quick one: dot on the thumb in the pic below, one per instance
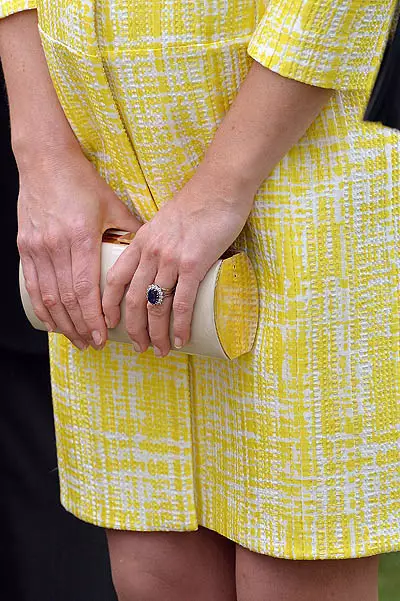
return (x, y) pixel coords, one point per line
(119, 217)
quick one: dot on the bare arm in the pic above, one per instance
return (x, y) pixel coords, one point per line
(64, 206)
(269, 115)
(37, 119)
(191, 231)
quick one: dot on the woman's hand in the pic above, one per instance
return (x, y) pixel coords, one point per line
(190, 232)
(64, 207)
(177, 247)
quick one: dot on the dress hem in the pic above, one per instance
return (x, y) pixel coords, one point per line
(268, 552)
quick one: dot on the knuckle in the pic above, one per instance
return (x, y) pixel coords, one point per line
(70, 334)
(188, 265)
(91, 315)
(108, 306)
(158, 338)
(169, 257)
(83, 288)
(83, 332)
(133, 333)
(69, 300)
(49, 300)
(30, 286)
(80, 229)
(153, 251)
(22, 243)
(112, 278)
(181, 307)
(51, 242)
(157, 310)
(159, 342)
(35, 245)
(132, 303)
(82, 237)
(40, 313)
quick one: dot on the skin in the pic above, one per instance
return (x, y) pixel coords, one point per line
(64, 207)
(268, 117)
(203, 566)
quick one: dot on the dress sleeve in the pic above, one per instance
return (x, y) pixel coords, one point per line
(8, 7)
(334, 44)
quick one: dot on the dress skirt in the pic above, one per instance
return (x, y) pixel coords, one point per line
(293, 449)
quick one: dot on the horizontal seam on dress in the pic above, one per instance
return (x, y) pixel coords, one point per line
(183, 46)
(138, 49)
(66, 46)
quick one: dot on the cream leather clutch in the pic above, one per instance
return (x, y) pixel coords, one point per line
(225, 314)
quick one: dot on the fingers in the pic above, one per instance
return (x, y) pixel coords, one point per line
(118, 278)
(183, 305)
(136, 306)
(146, 322)
(51, 300)
(33, 289)
(140, 265)
(63, 271)
(54, 271)
(132, 270)
(159, 316)
(60, 223)
(85, 259)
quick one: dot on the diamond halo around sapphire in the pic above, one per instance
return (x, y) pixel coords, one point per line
(155, 294)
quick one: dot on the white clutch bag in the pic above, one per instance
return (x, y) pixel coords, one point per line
(225, 314)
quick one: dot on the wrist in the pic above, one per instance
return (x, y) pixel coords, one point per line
(233, 183)
(211, 185)
(37, 137)
(238, 166)
(42, 152)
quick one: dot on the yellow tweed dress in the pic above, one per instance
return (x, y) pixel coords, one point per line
(293, 449)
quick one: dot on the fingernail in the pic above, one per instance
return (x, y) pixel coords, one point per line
(178, 343)
(157, 352)
(48, 326)
(81, 345)
(97, 339)
(108, 323)
(136, 347)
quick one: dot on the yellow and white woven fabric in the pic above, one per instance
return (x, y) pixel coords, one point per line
(293, 449)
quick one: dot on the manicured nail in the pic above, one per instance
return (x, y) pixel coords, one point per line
(136, 347)
(48, 326)
(157, 352)
(108, 323)
(178, 343)
(81, 345)
(97, 339)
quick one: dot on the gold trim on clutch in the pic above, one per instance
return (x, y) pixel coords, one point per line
(118, 237)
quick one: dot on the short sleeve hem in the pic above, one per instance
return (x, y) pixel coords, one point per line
(335, 44)
(9, 7)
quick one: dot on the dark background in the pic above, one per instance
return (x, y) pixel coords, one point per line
(45, 553)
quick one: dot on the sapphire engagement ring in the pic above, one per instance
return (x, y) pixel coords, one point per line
(155, 294)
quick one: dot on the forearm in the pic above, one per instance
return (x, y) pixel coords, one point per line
(38, 123)
(269, 115)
